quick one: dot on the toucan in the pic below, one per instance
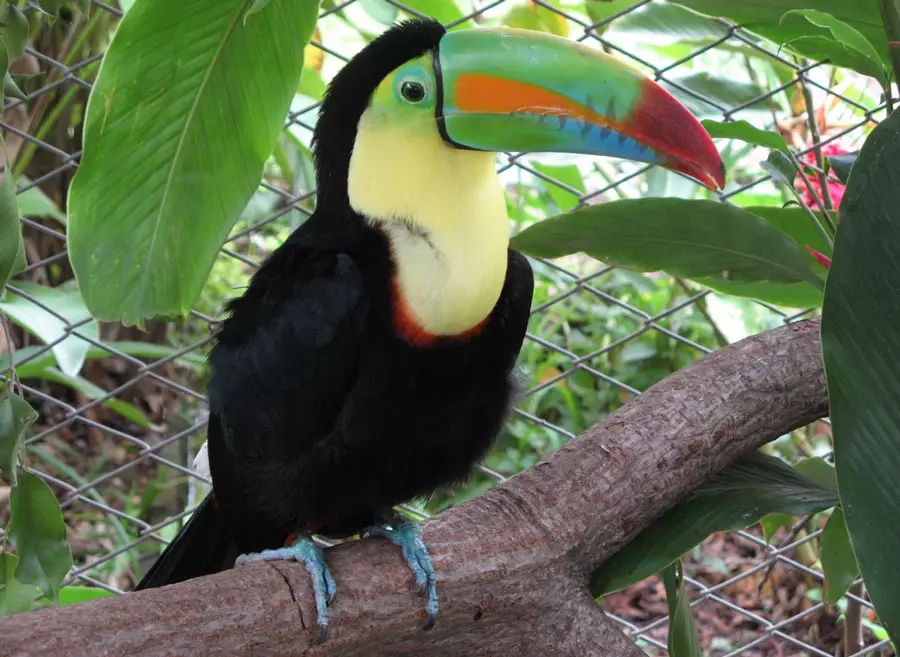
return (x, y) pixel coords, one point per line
(370, 361)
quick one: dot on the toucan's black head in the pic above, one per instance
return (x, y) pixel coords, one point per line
(349, 94)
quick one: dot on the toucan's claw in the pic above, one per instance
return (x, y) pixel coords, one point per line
(408, 536)
(311, 555)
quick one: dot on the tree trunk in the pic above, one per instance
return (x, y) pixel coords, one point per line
(512, 565)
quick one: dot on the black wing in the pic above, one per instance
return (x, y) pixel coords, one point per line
(287, 357)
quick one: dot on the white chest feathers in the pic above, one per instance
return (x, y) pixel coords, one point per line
(448, 283)
(444, 212)
(201, 462)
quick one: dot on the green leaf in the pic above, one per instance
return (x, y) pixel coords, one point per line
(747, 133)
(12, 247)
(71, 595)
(93, 393)
(684, 641)
(11, 88)
(32, 361)
(445, 11)
(4, 67)
(16, 415)
(771, 523)
(567, 174)
(38, 534)
(682, 237)
(841, 165)
(718, 93)
(780, 167)
(789, 295)
(737, 497)
(663, 182)
(764, 17)
(52, 6)
(13, 31)
(312, 84)
(63, 301)
(634, 352)
(15, 597)
(818, 469)
(657, 23)
(796, 224)
(186, 109)
(35, 203)
(600, 10)
(861, 348)
(255, 6)
(380, 10)
(537, 18)
(833, 39)
(838, 561)
(20, 262)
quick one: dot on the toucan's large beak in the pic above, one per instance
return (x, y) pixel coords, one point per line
(516, 90)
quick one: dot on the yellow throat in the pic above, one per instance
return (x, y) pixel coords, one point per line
(444, 212)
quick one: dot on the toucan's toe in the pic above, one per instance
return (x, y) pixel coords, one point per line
(408, 536)
(310, 554)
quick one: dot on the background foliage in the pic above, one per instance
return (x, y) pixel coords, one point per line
(106, 416)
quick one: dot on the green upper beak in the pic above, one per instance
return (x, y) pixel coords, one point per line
(517, 90)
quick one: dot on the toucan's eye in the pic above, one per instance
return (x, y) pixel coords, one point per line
(414, 92)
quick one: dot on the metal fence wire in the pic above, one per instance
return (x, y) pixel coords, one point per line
(123, 411)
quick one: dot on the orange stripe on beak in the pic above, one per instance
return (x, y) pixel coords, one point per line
(488, 94)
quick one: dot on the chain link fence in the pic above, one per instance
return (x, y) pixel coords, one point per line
(123, 410)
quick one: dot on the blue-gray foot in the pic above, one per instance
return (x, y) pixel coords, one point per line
(406, 534)
(311, 555)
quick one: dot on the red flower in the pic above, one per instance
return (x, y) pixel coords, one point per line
(834, 187)
(821, 258)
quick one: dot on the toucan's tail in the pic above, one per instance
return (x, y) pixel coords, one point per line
(202, 547)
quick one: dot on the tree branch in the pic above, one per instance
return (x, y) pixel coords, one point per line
(512, 565)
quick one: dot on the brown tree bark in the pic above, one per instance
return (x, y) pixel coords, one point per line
(512, 565)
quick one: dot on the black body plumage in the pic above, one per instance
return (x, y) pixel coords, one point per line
(321, 416)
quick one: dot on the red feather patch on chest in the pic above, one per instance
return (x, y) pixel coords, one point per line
(409, 330)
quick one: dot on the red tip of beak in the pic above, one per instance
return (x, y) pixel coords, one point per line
(663, 123)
